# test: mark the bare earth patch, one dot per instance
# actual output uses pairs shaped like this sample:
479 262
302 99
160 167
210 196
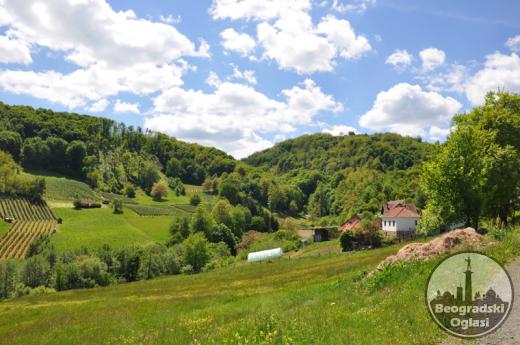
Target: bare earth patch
467 237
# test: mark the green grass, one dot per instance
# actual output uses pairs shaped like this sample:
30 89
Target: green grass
158 210
65 189
4 227
95 227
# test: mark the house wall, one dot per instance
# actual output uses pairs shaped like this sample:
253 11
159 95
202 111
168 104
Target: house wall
401 224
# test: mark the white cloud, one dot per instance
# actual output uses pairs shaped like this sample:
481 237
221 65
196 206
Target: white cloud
408 110
356 6
295 43
513 43
247 75
170 19
99 106
77 88
432 58
452 79
14 51
437 134
115 51
400 59
256 9
92 30
499 72
237 42
340 130
235 115
126 107
213 79
288 35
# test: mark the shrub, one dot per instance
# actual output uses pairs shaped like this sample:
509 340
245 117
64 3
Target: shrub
118 206
258 223
130 191
195 200
159 191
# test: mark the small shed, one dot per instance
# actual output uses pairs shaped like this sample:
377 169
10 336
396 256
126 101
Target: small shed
265 255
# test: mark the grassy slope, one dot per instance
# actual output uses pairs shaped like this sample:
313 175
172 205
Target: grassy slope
95 227
309 301
313 300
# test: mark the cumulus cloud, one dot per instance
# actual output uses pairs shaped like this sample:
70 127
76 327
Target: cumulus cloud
288 35
234 116
99 106
437 134
432 58
513 43
238 42
408 110
340 130
356 6
400 59
77 88
115 51
256 9
500 71
14 51
247 75
126 108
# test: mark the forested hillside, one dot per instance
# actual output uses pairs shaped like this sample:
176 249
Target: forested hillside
343 175
105 153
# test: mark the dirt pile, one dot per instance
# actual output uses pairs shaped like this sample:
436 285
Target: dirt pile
467 237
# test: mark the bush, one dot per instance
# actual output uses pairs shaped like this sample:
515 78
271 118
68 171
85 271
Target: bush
117 204
159 191
85 203
195 200
258 223
362 236
130 191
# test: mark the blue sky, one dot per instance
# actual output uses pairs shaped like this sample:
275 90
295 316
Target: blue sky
243 74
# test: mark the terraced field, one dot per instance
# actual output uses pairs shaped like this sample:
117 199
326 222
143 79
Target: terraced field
30 221
16 242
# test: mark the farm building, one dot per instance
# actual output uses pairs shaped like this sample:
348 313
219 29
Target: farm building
399 219
350 224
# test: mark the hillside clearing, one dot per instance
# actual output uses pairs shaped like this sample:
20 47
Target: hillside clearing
96 227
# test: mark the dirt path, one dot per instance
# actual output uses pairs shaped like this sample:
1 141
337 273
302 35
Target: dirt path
509 333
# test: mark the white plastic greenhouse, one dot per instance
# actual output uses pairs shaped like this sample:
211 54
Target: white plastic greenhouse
265 255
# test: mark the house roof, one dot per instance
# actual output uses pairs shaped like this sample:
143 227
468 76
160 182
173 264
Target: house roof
399 209
350 224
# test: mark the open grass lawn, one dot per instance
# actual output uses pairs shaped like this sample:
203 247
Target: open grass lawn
95 227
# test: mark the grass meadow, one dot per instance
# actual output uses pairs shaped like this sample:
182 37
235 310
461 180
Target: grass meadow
319 299
95 227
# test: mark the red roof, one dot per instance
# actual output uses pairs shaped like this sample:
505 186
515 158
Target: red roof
399 209
350 224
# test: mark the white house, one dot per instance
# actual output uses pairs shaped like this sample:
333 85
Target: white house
399 219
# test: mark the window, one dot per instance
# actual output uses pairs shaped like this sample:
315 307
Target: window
393 223
384 222
415 222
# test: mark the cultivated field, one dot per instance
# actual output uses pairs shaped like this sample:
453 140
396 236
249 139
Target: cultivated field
16 242
31 220
162 210
23 209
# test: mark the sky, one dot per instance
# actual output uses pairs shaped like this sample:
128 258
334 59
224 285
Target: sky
241 75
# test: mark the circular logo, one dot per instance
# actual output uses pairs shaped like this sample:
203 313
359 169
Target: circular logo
469 294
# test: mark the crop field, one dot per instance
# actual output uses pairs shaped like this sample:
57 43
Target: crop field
16 242
161 210
23 209
112 196
64 189
93 228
